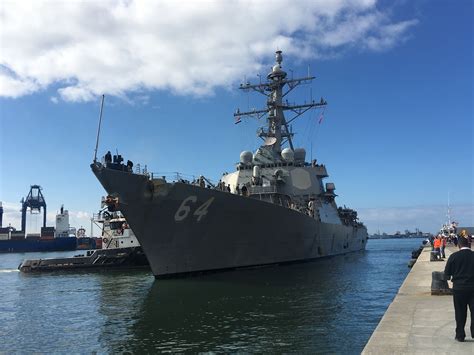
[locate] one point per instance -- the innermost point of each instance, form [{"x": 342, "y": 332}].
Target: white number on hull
[
  {"x": 184, "y": 209},
  {"x": 202, "y": 210}
]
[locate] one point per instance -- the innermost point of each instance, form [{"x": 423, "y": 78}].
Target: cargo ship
[
  {"x": 86, "y": 243},
  {"x": 59, "y": 238}
]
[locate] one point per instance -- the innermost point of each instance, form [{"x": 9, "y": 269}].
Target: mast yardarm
[{"x": 277, "y": 132}]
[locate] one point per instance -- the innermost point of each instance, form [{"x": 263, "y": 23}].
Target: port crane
[{"x": 34, "y": 200}]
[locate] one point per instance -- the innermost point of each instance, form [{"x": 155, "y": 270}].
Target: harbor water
[{"x": 327, "y": 306}]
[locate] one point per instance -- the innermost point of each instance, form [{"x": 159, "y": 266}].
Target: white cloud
[
  {"x": 389, "y": 35},
  {"x": 117, "y": 47},
  {"x": 11, "y": 86}
]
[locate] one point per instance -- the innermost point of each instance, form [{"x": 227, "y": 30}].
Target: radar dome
[
  {"x": 288, "y": 155},
  {"x": 300, "y": 155},
  {"x": 246, "y": 157}
]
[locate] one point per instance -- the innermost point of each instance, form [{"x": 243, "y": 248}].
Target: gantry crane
[{"x": 34, "y": 200}]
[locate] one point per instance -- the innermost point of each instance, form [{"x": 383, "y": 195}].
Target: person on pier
[{"x": 460, "y": 268}]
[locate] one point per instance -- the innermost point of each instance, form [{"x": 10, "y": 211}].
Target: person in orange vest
[{"x": 437, "y": 245}]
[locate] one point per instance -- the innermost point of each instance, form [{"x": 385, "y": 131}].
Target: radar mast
[{"x": 277, "y": 132}]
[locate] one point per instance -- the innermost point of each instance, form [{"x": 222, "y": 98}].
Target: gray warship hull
[{"x": 185, "y": 228}]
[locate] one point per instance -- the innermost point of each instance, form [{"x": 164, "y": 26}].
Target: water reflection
[{"x": 272, "y": 309}]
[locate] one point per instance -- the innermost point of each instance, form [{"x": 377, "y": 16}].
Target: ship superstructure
[
  {"x": 116, "y": 233},
  {"x": 274, "y": 208}
]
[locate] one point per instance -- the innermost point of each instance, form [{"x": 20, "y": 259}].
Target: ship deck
[{"x": 417, "y": 322}]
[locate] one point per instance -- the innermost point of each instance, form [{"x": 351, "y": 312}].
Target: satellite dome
[
  {"x": 246, "y": 157},
  {"x": 288, "y": 155}
]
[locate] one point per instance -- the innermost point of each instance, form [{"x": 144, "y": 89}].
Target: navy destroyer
[{"x": 273, "y": 209}]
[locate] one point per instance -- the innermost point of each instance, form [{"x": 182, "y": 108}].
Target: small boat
[{"x": 120, "y": 250}]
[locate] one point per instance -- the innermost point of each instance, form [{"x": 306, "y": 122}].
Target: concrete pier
[{"x": 417, "y": 322}]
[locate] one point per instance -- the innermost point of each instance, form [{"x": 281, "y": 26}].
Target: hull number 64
[{"x": 185, "y": 208}]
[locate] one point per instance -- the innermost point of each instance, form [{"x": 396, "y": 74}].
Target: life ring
[{"x": 105, "y": 240}]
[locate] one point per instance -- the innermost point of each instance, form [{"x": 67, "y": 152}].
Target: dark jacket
[{"x": 460, "y": 267}]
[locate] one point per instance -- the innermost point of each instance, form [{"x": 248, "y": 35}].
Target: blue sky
[{"x": 397, "y": 136}]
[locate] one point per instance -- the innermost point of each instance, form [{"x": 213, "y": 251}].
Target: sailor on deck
[{"x": 108, "y": 157}]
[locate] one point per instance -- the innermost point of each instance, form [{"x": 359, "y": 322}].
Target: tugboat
[
  {"x": 116, "y": 233},
  {"x": 120, "y": 250},
  {"x": 273, "y": 209}
]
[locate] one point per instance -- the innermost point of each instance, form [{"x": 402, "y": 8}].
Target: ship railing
[
  {"x": 257, "y": 190},
  {"x": 98, "y": 217},
  {"x": 175, "y": 176},
  {"x": 172, "y": 176}
]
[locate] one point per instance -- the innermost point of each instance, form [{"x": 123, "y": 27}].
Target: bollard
[
  {"x": 435, "y": 256},
  {"x": 439, "y": 284}
]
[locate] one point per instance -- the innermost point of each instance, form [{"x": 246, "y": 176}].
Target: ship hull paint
[
  {"x": 25, "y": 245},
  {"x": 235, "y": 232}
]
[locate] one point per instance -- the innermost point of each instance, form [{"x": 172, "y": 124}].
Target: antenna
[
  {"x": 449, "y": 207},
  {"x": 98, "y": 128},
  {"x": 273, "y": 89}
]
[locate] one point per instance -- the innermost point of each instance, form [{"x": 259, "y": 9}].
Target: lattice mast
[{"x": 277, "y": 132}]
